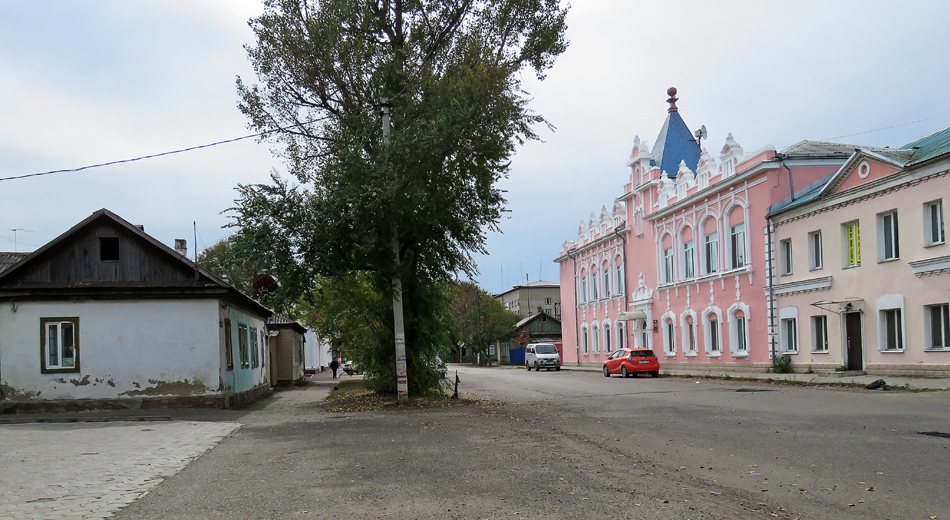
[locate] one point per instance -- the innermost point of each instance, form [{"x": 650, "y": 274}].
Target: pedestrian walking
[{"x": 334, "y": 365}]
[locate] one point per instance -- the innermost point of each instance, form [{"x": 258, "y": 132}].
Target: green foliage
[
  {"x": 478, "y": 318},
  {"x": 782, "y": 364},
  {"x": 451, "y": 72}
]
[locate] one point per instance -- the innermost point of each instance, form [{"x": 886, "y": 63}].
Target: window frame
[
  {"x": 243, "y": 346},
  {"x": 937, "y": 326},
  {"x": 816, "y": 259},
  {"x": 935, "y": 232},
  {"x": 819, "y": 334},
  {"x": 585, "y": 341},
  {"x": 669, "y": 335},
  {"x": 228, "y": 345},
  {"x": 788, "y": 334},
  {"x": 711, "y": 253},
  {"x": 689, "y": 260},
  {"x": 888, "y": 229},
  {"x": 737, "y": 255},
  {"x": 60, "y": 368},
  {"x": 255, "y": 355},
  {"x": 668, "y": 273},
  {"x": 606, "y": 280},
  {"x": 889, "y": 319},
  {"x": 785, "y": 249},
  {"x": 742, "y": 334}
]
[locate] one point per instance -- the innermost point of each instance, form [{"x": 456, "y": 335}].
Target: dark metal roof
[
  {"x": 675, "y": 144},
  {"x": 929, "y": 147},
  {"x": 8, "y": 259},
  {"x": 282, "y": 322}
]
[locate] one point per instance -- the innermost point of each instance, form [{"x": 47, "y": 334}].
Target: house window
[
  {"x": 819, "y": 327},
  {"x": 785, "y": 247},
  {"x": 741, "y": 334},
  {"x": 689, "y": 260},
  {"x": 547, "y": 301},
  {"x": 815, "y": 255},
  {"x": 607, "y": 339},
  {"x": 606, "y": 281},
  {"x": 938, "y": 317},
  {"x": 109, "y": 249},
  {"x": 59, "y": 345},
  {"x": 619, "y": 278},
  {"x": 620, "y": 338},
  {"x": 668, "y": 265},
  {"x": 583, "y": 291},
  {"x": 789, "y": 333},
  {"x": 715, "y": 345},
  {"x": 670, "y": 337},
  {"x": 893, "y": 333},
  {"x": 712, "y": 253},
  {"x": 255, "y": 357},
  {"x": 263, "y": 349},
  {"x": 690, "y": 335},
  {"x": 228, "y": 345},
  {"x": 934, "y": 232},
  {"x": 242, "y": 345},
  {"x": 585, "y": 348},
  {"x": 595, "y": 340},
  {"x": 738, "y": 246},
  {"x": 593, "y": 285},
  {"x": 888, "y": 241},
  {"x": 852, "y": 244}
]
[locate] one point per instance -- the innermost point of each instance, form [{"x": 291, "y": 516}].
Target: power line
[
  {"x": 885, "y": 128},
  {"x": 136, "y": 158}
]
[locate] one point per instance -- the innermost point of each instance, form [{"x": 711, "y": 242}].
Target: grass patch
[{"x": 354, "y": 396}]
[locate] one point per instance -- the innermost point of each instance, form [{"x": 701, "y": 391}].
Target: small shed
[
  {"x": 541, "y": 327},
  {"x": 288, "y": 359}
]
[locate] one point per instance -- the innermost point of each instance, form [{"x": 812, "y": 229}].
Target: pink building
[
  {"x": 680, "y": 263},
  {"x": 862, "y": 264}
]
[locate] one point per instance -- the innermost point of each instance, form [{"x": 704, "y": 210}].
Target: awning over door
[{"x": 631, "y": 315}]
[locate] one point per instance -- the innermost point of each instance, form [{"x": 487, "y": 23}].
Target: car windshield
[
  {"x": 642, "y": 353},
  {"x": 545, "y": 349}
]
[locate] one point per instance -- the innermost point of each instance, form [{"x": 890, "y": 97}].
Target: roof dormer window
[{"x": 109, "y": 249}]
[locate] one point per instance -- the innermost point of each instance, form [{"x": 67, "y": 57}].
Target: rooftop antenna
[
  {"x": 700, "y": 135},
  {"x": 15, "y": 250}
]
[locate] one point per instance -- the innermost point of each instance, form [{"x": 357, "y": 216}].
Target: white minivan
[{"x": 541, "y": 355}]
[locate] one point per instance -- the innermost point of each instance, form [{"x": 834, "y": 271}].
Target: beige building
[{"x": 524, "y": 300}]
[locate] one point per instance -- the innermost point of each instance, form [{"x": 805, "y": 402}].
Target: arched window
[
  {"x": 582, "y": 293},
  {"x": 606, "y": 271},
  {"x": 738, "y": 238},
  {"x": 739, "y": 328},
  {"x": 669, "y": 334},
  {"x": 688, "y": 254},
  {"x": 595, "y": 339},
  {"x": 593, "y": 282},
  {"x": 618, "y": 274},
  {"x": 709, "y": 253},
  {"x": 585, "y": 346},
  {"x": 607, "y": 346},
  {"x": 621, "y": 340},
  {"x": 688, "y": 319},
  {"x": 712, "y": 331},
  {"x": 667, "y": 259}
]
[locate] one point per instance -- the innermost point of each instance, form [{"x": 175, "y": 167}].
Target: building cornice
[
  {"x": 801, "y": 286},
  {"x": 931, "y": 266}
]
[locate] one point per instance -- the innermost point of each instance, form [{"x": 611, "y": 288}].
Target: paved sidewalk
[
  {"x": 91, "y": 470},
  {"x": 910, "y": 383}
]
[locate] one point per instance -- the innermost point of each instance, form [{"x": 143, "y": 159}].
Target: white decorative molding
[
  {"x": 931, "y": 266},
  {"x": 802, "y": 286}
]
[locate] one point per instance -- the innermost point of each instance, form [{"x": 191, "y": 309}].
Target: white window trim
[
  {"x": 846, "y": 244},
  {"x": 887, "y": 303},
  {"x": 816, "y": 259},
  {"x": 707, "y": 331},
  {"x": 883, "y": 232},
  {"x": 585, "y": 340},
  {"x": 928, "y": 224},
  {"x": 786, "y": 346},
  {"x": 595, "y": 339},
  {"x": 685, "y": 332},
  {"x": 668, "y": 339},
  {"x": 689, "y": 260},
  {"x": 734, "y": 329},
  {"x": 59, "y": 367},
  {"x": 717, "y": 258},
  {"x": 606, "y": 331},
  {"x": 785, "y": 250}
]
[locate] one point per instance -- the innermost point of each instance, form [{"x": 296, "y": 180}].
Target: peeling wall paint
[{"x": 134, "y": 348}]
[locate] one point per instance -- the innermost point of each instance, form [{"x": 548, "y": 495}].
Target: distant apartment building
[{"x": 525, "y": 300}]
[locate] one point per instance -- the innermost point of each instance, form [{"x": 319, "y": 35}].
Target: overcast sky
[{"x": 84, "y": 82}]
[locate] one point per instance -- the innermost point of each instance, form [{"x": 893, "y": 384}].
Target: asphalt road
[
  {"x": 574, "y": 445},
  {"x": 818, "y": 452}
]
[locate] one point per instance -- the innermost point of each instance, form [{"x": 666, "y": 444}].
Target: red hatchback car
[{"x": 631, "y": 361}]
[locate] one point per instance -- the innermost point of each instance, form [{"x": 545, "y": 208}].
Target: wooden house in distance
[
  {"x": 287, "y": 351},
  {"x": 106, "y": 315}
]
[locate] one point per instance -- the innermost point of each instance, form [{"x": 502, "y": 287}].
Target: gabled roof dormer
[{"x": 862, "y": 167}]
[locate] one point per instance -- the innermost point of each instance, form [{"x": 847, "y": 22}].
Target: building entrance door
[{"x": 852, "y": 331}]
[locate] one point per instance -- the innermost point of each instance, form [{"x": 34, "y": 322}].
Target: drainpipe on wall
[{"x": 791, "y": 182}]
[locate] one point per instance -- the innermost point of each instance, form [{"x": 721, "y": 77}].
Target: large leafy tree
[
  {"x": 451, "y": 72},
  {"x": 479, "y": 319}
]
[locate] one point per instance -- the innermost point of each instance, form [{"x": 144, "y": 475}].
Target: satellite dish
[{"x": 700, "y": 135}]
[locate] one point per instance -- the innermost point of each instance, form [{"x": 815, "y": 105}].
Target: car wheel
[
  {"x": 528, "y": 367},
  {"x": 557, "y": 369},
  {"x": 623, "y": 372},
  {"x": 536, "y": 368},
  {"x": 655, "y": 374},
  {"x": 606, "y": 372}
]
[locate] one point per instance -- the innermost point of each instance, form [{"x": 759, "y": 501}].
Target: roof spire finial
[{"x": 672, "y": 101}]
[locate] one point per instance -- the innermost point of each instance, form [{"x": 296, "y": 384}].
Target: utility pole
[{"x": 402, "y": 372}]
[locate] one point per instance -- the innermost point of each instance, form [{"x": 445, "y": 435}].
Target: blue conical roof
[{"x": 675, "y": 143}]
